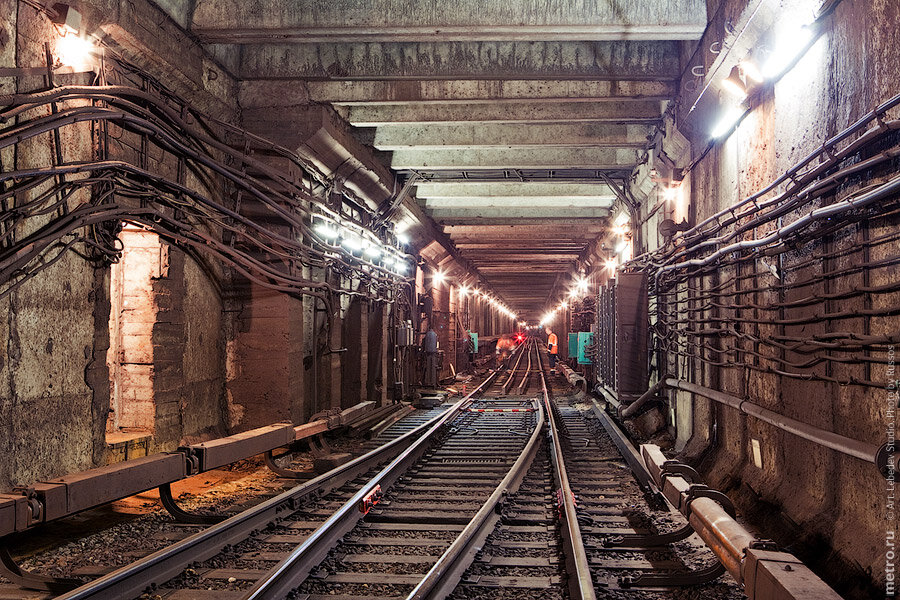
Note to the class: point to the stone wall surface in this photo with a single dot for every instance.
(825, 499)
(54, 379)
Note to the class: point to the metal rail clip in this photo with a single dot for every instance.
(370, 500)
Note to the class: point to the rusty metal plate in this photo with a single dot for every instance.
(227, 450)
(772, 575)
(7, 514)
(54, 498)
(14, 513)
(98, 486)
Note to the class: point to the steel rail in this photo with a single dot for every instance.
(293, 569)
(159, 567)
(523, 385)
(444, 576)
(580, 582)
(512, 373)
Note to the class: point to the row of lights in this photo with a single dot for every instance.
(440, 277)
(745, 77)
(581, 286)
(362, 244)
(464, 291)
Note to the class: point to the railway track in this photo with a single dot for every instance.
(477, 501)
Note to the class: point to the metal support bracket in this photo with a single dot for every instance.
(181, 515)
(282, 471)
(652, 540)
(683, 579)
(33, 581)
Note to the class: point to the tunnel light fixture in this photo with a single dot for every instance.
(732, 115)
(582, 284)
(621, 246)
(563, 305)
(734, 83)
(463, 291)
(750, 71)
(325, 230)
(573, 293)
(351, 242)
(74, 51)
(791, 43)
(372, 251)
(403, 239)
(611, 265)
(672, 192)
(438, 277)
(400, 267)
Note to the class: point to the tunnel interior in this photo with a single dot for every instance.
(220, 216)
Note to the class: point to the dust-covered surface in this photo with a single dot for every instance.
(96, 541)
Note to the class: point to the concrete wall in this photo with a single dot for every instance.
(54, 379)
(828, 506)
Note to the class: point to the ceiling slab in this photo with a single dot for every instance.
(481, 91)
(548, 203)
(459, 189)
(601, 111)
(515, 158)
(500, 135)
(625, 59)
(516, 212)
(412, 20)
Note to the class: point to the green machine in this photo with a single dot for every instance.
(573, 345)
(475, 341)
(585, 341)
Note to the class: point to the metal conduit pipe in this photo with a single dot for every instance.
(631, 409)
(758, 566)
(574, 378)
(829, 439)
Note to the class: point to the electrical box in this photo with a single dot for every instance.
(573, 345)
(585, 341)
(475, 341)
(405, 334)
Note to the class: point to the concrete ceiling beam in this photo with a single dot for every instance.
(227, 21)
(462, 60)
(546, 222)
(537, 203)
(480, 91)
(514, 212)
(505, 135)
(582, 230)
(458, 189)
(599, 111)
(516, 158)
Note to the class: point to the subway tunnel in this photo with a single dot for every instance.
(263, 257)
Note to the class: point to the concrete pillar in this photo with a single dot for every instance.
(354, 361)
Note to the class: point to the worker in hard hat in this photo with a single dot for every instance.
(552, 348)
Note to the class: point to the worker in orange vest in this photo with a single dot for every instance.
(552, 348)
